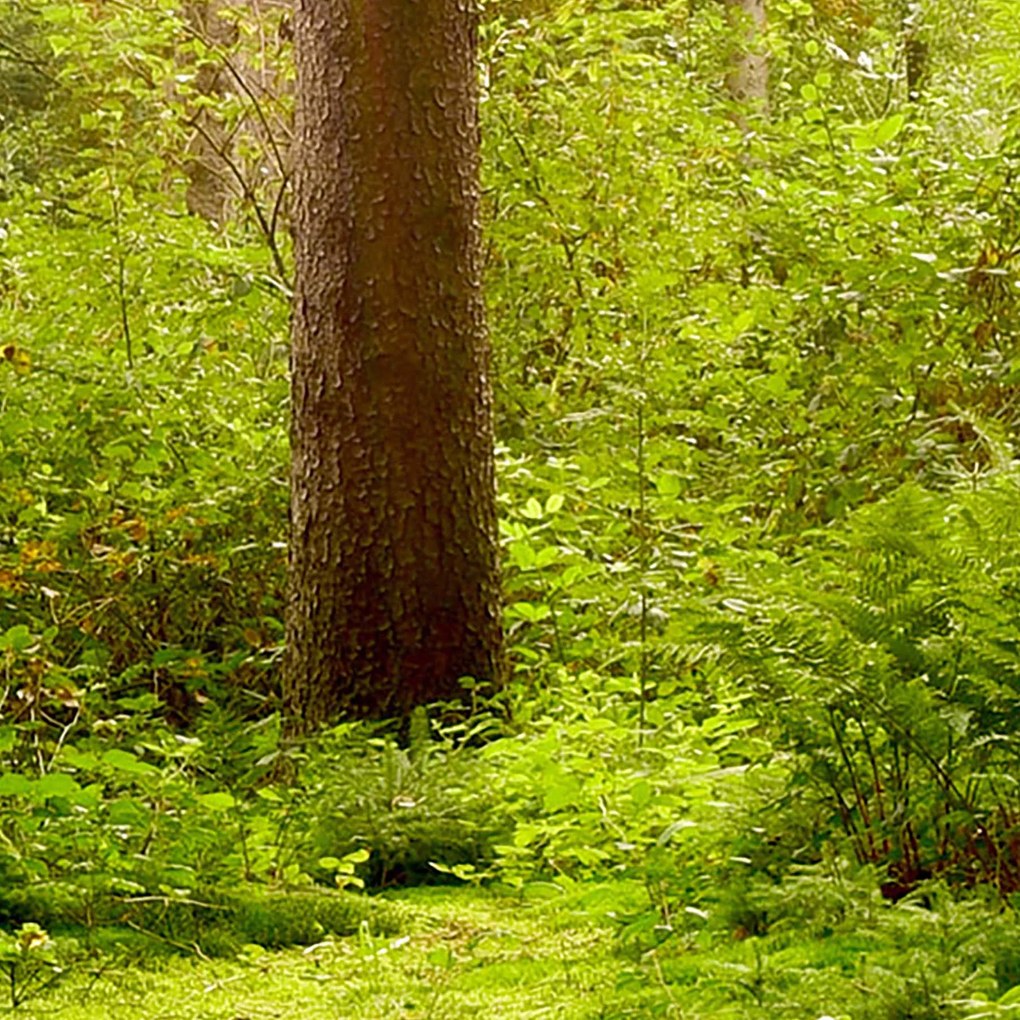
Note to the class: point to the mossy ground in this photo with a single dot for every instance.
(465, 953)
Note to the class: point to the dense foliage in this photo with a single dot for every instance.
(757, 396)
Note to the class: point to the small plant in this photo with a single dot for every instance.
(392, 811)
(32, 962)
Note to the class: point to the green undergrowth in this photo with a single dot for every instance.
(757, 399)
(839, 951)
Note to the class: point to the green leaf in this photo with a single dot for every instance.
(56, 784)
(78, 759)
(554, 503)
(532, 509)
(550, 554)
(561, 792)
(526, 834)
(129, 812)
(219, 801)
(16, 638)
(57, 14)
(125, 761)
(889, 128)
(118, 450)
(522, 555)
(668, 486)
(13, 784)
(861, 140)
(641, 793)
(441, 956)
(533, 612)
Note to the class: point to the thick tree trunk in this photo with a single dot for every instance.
(748, 78)
(394, 582)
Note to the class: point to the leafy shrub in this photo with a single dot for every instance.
(834, 947)
(606, 786)
(32, 962)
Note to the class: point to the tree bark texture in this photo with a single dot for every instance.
(748, 78)
(394, 579)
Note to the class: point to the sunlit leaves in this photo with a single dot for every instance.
(879, 133)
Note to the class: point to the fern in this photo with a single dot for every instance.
(890, 664)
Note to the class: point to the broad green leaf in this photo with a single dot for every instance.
(532, 509)
(128, 811)
(56, 784)
(526, 834)
(641, 793)
(522, 555)
(126, 761)
(13, 784)
(219, 801)
(889, 128)
(16, 638)
(668, 485)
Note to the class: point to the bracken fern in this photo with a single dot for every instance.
(889, 661)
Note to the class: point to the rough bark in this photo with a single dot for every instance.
(748, 78)
(394, 583)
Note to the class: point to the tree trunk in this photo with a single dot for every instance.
(748, 79)
(210, 190)
(915, 50)
(394, 579)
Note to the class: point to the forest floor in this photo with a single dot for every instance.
(468, 953)
(465, 954)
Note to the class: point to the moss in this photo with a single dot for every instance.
(217, 921)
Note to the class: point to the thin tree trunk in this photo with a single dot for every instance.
(394, 582)
(915, 50)
(748, 78)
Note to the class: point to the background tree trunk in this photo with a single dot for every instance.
(916, 52)
(748, 79)
(394, 581)
(210, 190)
